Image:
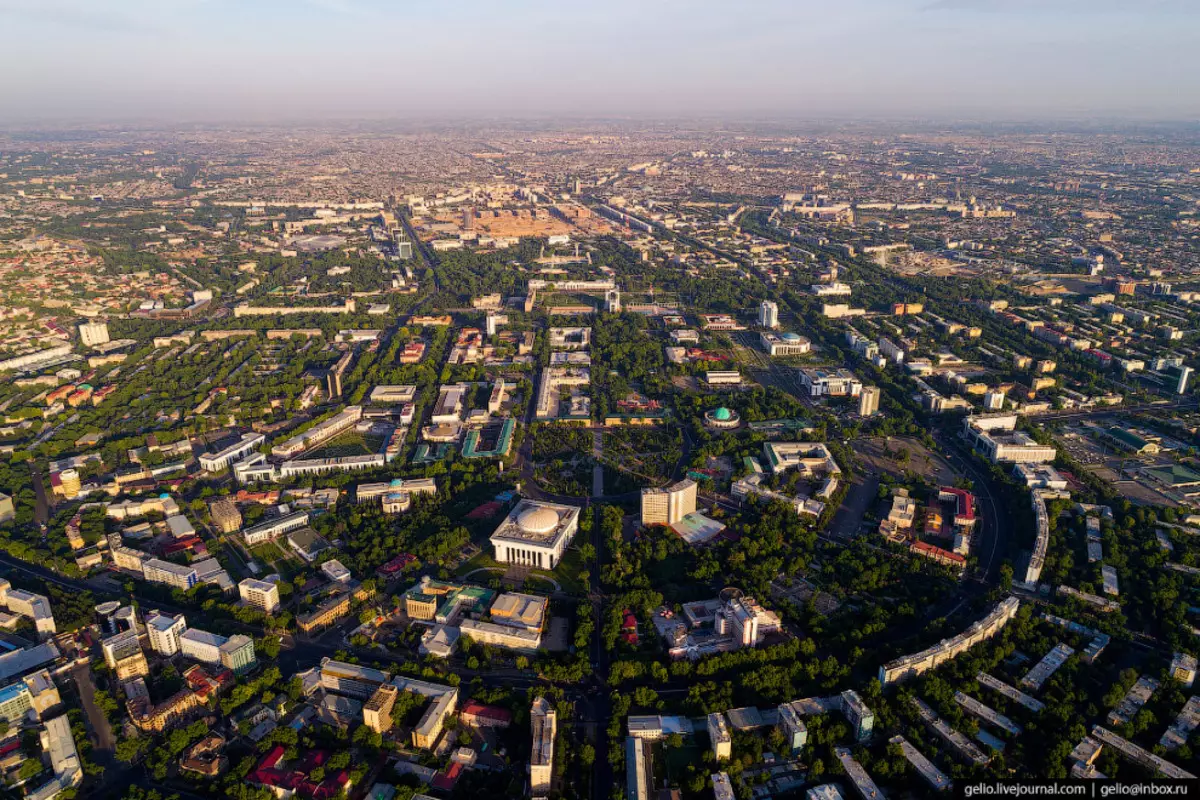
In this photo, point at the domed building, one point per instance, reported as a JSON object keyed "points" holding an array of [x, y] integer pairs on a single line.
{"points": [[535, 534], [722, 419]]}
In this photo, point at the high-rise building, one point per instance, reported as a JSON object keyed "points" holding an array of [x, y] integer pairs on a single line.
{"points": [[718, 734], [123, 653], [70, 483], [544, 721], [164, 632], [262, 595], [225, 515], [668, 506], [868, 401], [333, 379], [1185, 373], [794, 731], [350, 679], [768, 314], [237, 653], [93, 333], [377, 713]]}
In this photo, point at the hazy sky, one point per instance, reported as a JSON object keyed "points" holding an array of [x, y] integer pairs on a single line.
{"points": [[263, 59]]}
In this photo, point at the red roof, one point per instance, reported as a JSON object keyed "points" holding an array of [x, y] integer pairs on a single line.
{"points": [[484, 511], [398, 563], [936, 552], [964, 501], [446, 780], [488, 712]]}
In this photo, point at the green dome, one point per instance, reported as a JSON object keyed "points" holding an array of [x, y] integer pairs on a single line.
{"points": [[722, 414]]}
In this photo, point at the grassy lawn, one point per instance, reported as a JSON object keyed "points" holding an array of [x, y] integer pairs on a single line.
{"points": [[351, 443], [275, 558], [567, 572], [677, 759], [480, 561]]}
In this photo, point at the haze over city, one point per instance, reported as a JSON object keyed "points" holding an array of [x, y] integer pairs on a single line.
{"points": [[647, 400], [210, 60]]}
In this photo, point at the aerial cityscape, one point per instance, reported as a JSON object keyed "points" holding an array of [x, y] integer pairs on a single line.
{"points": [[585, 457]]}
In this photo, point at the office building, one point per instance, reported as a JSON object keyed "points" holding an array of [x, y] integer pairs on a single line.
{"points": [[164, 632], [15, 703], [262, 595], [795, 732], [201, 645], [350, 679], [995, 437], [377, 713], [822, 382], [768, 315], [544, 722], [7, 511], [34, 606], [93, 333], [223, 458], [669, 505], [237, 653], [123, 654]]}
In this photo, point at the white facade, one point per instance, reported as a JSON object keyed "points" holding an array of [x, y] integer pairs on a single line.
{"points": [[262, 595], [768, 314], [535, 534], [164, 632], [93, 333], [201, 645], [215, 462]]}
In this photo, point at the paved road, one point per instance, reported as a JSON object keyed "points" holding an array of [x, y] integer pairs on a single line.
{"points": [[106, 743], [993, 539]]}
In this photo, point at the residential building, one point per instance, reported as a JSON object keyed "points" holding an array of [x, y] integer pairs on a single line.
{"points": [[93, 333], [902, 668], [223, 458], [1183, 669], [262, 595], [639, 769], [719, 736], [176, 575], [868, 401]]}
